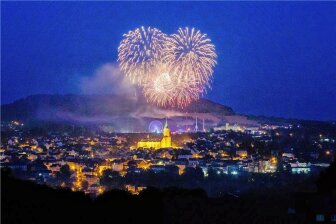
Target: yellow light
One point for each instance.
(181, 169)
(144, 165)
(100, 190)
(224, 154)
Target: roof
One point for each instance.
(150, 140)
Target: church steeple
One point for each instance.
(166, 124)
(166, 141)
(166, 131)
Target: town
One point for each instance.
(227, 159)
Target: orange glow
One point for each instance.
(181, 169)
(134, 189)
(101, 169)
(197, 156)
(100, 190)
(224, 154)
(144, 165)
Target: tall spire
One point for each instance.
(196, 126)
(166, 124)
(203, 126)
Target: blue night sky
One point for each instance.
(274, 58)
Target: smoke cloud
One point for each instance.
(107, 79)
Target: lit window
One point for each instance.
(320, 218)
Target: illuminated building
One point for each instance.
(241, 153)
(229, 127)
(144, 165)
(165, 142)
(116, 165)
(77, 169)
(134, 189)
(300, 168)
(149, 144)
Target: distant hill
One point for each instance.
(112, 109)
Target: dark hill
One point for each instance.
(100, 109)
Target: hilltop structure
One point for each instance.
(165, 142)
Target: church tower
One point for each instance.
(166, 141)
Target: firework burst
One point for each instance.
(139, 52)
(192, 54)
(172, 70)
(170, 89)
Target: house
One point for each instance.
(181, 164)
(54, 167)
(298, 168)
(184, 154)
(193, 162)
(157, 168)
(18, 165)
(91, 179)
(118, 165)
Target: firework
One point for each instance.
(170, 89)
(172, 71)
(139, 52)
(192, 54)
